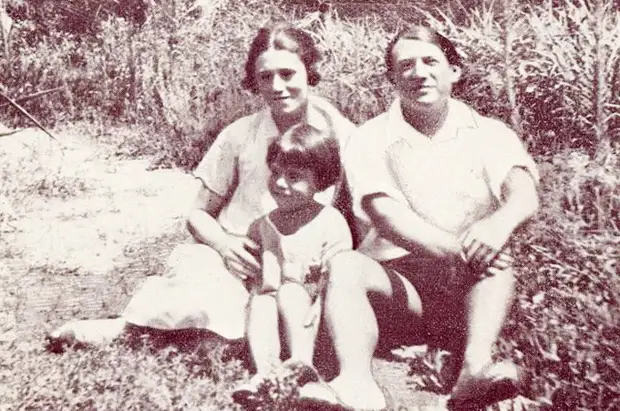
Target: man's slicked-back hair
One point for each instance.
(427, 34)
(282, 36)
(306, 147)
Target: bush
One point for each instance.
(551, 72)
(565, 323)
(81, 18)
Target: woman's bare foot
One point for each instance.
(83, 333)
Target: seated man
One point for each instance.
(437, 190)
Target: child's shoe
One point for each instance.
(246, 394)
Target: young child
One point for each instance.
(296, 239)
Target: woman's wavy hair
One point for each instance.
(427, 34)
(282, 36)
(307, 147)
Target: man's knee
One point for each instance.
(501, 281)
(346, 271)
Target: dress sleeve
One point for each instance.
(501, 151)
(218, 168)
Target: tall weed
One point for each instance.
(550, 71)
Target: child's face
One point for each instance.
(292, 187)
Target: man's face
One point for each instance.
(421, 73)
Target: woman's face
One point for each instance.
(421, 73)
(282, 81)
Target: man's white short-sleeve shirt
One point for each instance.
(451, 180)
(235, 165)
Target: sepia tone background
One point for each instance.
(135, 91)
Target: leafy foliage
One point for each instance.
(81, 18)
(550, 71)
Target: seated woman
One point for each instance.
(438, 190)
(296, 241)
(205, 288)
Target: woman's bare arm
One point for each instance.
(202, 223)
(239, 252)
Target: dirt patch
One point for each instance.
(72, 218)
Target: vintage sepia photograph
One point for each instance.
(310, 205)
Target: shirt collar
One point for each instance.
(460, 117)
(316, 116)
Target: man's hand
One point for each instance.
(483, 243)
(240, 256)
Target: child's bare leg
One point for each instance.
(262, 332)
(294, 304)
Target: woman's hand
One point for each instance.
(240, 255)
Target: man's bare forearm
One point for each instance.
(402, 226)
(519, 198)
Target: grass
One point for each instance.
(81, 227)
(118, 377)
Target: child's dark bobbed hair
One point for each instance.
(307, 147)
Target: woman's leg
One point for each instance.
(197, 292)
(294, 304)
(353, 324)
(262, 333)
